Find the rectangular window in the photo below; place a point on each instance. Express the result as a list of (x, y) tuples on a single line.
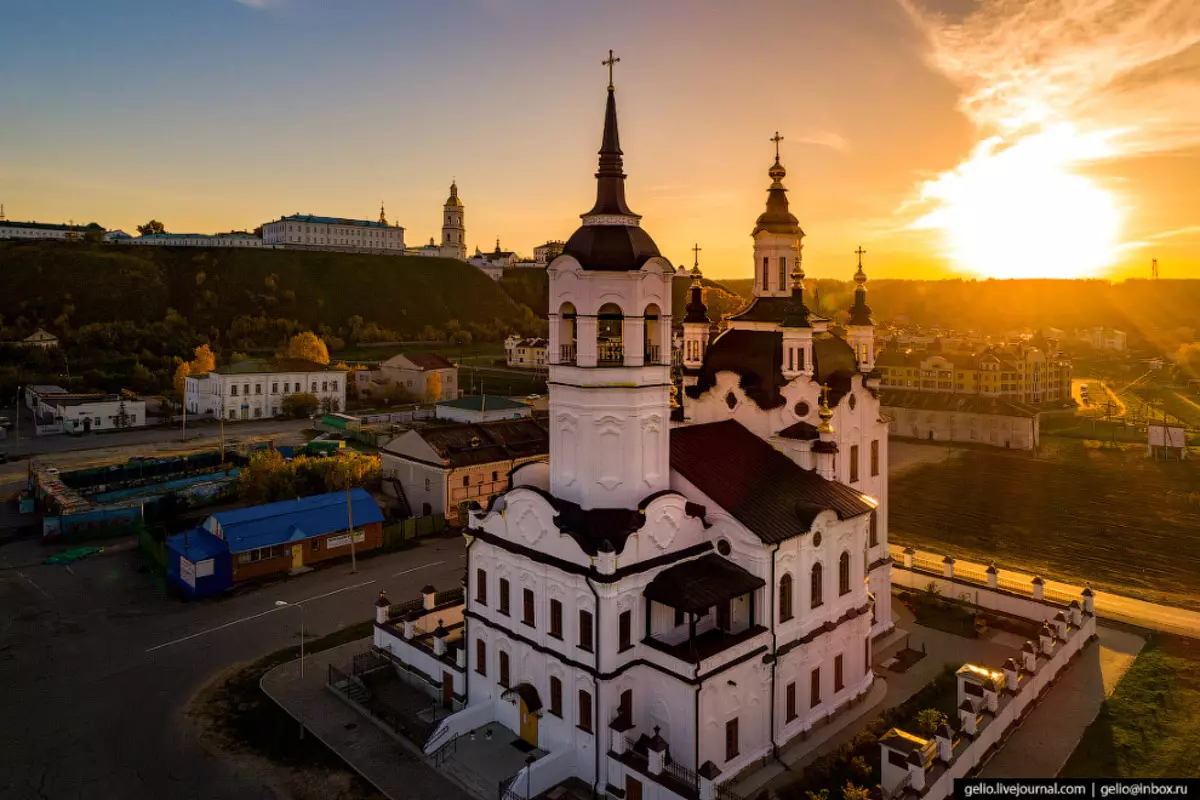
[(504, 676), (233, 391), (481, 657), (766, 273), (731, 739), (285, 387), (874, 530), (333, 385), (556, 619), (791, 701), (585, 631), (481, 587), (875, 457), (504, 596), (838, 682), (814, 692), (783, 272), (585, 711), (274, 388), (324, 386), (867, 654), (495, 476), (625, 626), (555, 696), (527, 596), (258, 388), (854, 463)]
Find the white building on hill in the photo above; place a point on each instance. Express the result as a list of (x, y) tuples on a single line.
[(256, 387), (692, 594), (40, 230), (309, 232), (191, 240)]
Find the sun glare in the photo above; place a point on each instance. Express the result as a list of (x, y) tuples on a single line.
[(1016, 210)]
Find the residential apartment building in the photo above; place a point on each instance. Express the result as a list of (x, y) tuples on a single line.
[(1019, 372), (414, 374), (525, 353)]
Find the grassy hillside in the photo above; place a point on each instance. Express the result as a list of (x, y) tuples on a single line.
[(211, 287)]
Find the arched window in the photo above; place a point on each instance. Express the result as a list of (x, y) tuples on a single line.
[(817, 585), (785, 598), (844, 574), (566, 334), (651, 336), (610, 349)]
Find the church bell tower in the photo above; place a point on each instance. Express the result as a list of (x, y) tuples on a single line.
[(777, 236), (610, 348), (454, 231)]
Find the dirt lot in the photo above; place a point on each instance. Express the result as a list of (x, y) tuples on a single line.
[(1075, 511)]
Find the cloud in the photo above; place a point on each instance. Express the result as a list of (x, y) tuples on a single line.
[(1054, 85), (259, 3), (830, 139)]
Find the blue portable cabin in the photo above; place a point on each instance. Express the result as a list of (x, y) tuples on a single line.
[(199, 563)]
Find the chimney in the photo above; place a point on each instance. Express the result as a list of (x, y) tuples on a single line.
[(381, 609), (427, 595)]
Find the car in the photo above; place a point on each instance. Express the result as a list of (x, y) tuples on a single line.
[(534, 397)]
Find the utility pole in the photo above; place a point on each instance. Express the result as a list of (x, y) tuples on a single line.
[(222, 430), (350, 522), (185, 409), (17, 441)]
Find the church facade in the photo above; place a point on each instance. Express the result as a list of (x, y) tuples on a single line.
[(684, 586)]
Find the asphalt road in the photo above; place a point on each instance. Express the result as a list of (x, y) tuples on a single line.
[(206, 431), (96, 667)]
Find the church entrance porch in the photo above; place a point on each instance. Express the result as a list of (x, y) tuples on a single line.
[(489, 757)]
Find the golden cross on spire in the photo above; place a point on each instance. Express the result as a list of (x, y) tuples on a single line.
[(696, 248), (609, 63), (776, 139), (860, 252), (825, 395)]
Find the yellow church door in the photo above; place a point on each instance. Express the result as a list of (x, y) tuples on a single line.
[(529, 725), (297, 555)]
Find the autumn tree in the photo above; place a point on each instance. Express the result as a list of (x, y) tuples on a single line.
[(852, 792), (181, 374), (153, 226), (203, 360), (930, 720), (433, 387), (308, 347)]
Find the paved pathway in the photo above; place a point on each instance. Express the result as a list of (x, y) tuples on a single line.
[(1044, 742), (1108, 606), (395, 769)]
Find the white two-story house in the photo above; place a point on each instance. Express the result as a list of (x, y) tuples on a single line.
[(256, 388)]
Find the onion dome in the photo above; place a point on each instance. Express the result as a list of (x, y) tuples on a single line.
[(777, 218), (452, 200), (611, 237), (860, 312), (825, 413)]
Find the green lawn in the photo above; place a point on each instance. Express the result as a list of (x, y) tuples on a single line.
[(1150, 727), (1076, 510)]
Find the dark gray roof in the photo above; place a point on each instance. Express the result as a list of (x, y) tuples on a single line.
[(761, 487), (697, 585)]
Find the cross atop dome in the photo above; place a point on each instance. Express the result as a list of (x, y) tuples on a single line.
[(610, 62)]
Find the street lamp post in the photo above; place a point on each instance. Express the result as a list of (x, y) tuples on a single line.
[(281, 603)]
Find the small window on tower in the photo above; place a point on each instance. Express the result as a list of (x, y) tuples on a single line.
[(731, 400), (802, 409)]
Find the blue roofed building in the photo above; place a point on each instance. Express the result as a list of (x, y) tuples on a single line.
[(312, 232), (289, 536)]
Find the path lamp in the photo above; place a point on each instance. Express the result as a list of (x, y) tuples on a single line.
[(280, 604)]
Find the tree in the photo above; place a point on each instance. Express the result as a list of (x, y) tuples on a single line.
[(433, 387), (303, 404), (203, 360), (819, 794), (852, 792), (181, 374), (930, 720), (307, 346), (153, 226), (93, 233)]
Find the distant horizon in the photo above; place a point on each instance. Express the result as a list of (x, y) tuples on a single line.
[(903, 129)]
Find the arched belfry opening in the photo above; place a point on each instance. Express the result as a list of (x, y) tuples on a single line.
[(652, 336), (567, 334), (610, 335)]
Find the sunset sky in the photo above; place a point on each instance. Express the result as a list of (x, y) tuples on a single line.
[(1058, 138)]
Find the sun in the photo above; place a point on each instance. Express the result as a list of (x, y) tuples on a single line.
[(1016, 209)]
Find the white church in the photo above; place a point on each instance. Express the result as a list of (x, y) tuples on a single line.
[(695, 578)]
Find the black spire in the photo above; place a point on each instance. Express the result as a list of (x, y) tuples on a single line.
[(610, 178), (696, 310), (796, 313), (860, 312)]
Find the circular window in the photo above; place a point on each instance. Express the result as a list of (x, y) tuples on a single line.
[(853, 402), (730, 400), (802, 409), (817, 539), (723, 547)]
